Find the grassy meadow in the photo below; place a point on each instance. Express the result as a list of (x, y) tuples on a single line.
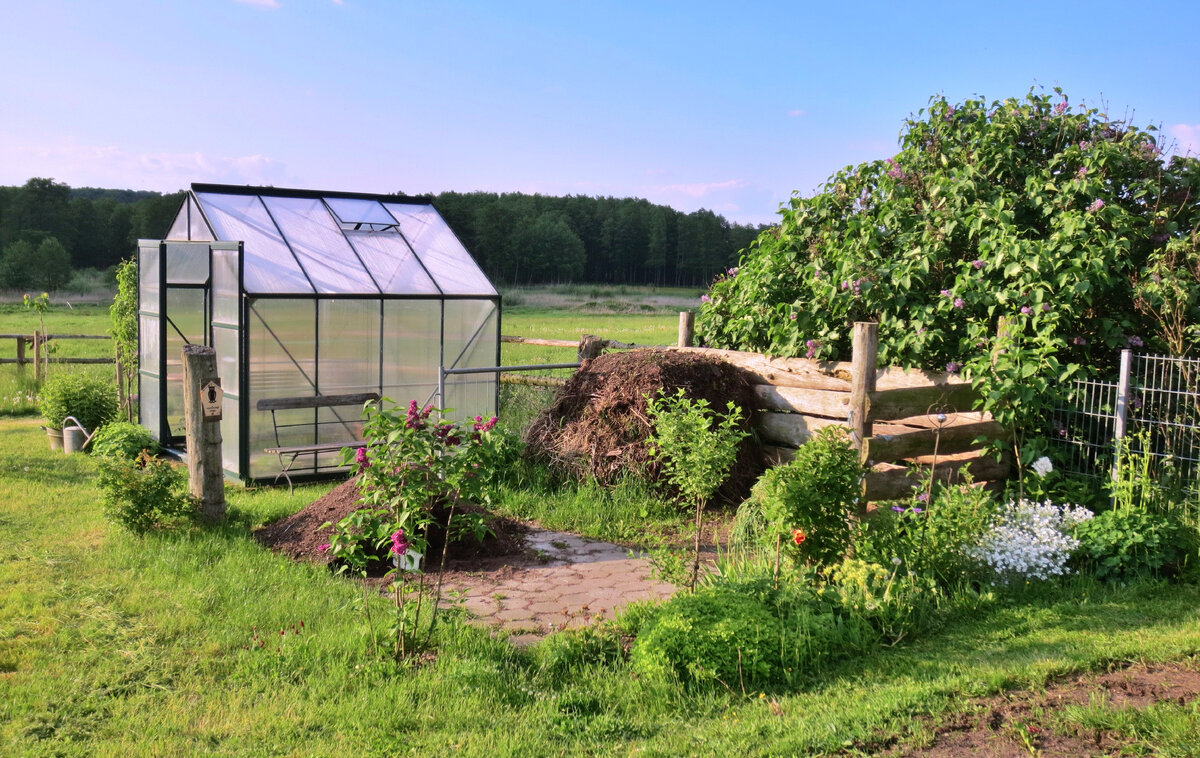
[(116, 644)]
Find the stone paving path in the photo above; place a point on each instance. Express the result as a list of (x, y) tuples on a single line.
[(581, 580)]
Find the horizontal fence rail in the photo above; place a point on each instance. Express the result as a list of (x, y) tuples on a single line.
[(40, 354)]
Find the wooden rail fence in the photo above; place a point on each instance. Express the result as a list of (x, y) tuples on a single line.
[(902, 420), (40, 356)]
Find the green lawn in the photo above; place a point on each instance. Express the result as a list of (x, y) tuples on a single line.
[(112, 644)]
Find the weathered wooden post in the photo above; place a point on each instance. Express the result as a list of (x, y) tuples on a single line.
[(21, 355), (687, 328), (862, 384), (202, 397), (590, 346)]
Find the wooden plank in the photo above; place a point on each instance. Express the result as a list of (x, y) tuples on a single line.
[(797, 400), (791, 429), (924, 421), (781, 372), (536, 381), (314, 401), (911, 401), (889, 482), (886, 448), (543, 343), (78, 360)]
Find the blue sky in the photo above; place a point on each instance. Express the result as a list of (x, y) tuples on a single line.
[(714, 105)]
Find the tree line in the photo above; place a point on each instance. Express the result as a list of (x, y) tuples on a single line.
[(49, 230)]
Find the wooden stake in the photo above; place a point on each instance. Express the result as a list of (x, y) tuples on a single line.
[(862, 384), (687, 328), (590, 347), (205, 476)]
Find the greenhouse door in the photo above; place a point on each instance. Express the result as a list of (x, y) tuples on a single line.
[(226, 331)]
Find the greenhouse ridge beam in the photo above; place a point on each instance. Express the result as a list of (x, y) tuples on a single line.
[(246, 189)]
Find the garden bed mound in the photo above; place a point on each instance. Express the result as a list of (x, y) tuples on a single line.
[(301, 537), (598, 425)]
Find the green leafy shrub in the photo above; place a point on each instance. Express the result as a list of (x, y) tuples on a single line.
[(697, 447), (1122, 544), (360, 542), (809, 502), (91, 401), (882, 604), (143, 493), (121, 439), (713, 634)]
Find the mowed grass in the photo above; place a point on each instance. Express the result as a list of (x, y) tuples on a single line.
[(112, 644)]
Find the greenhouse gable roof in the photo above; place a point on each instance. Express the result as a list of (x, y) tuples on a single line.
[(333, 243)]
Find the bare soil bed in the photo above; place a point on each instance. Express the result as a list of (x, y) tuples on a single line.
[(1018, 723), (301, 537)]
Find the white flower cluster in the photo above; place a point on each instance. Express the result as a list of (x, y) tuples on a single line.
[(1028, 540)]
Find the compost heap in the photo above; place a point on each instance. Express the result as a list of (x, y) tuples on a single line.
[(598, 424)]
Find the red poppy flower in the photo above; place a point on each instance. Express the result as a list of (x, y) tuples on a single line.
[(798, 536)]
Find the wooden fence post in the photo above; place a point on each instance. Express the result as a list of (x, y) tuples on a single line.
[(38, 369), (862, 385), (590, 347), (205, 476), (21, 356), (687, 328)]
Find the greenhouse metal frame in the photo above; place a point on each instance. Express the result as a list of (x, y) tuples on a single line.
[(307, 294)]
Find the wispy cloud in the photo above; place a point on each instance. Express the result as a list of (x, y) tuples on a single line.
[(797, 113), (79, 165), (263, 3), (1187, 137), (701, 189)]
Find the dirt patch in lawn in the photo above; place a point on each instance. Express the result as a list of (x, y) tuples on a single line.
[(1023, 723), (301, 536), (598, 424)]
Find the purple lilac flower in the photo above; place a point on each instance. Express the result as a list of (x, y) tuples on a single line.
[(399, 543), (977, 263), (1045, 307), (952, 367), (733, 271), (1061, 108), (1136, 401), (923, 497), (1096, 205), (898, 508), (704, 298), (1026, 310), (360, 457), (1134, 341), (958, 302), (792, 317), (1086, 144), (1078, 341), (1082, 172), (945, 293), (813, 346)]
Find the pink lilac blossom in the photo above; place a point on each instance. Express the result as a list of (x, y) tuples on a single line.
[(360, 457), (1096, 205), (399, 543), (958, 302), (977, 263), (953, 367), (1026, 310)]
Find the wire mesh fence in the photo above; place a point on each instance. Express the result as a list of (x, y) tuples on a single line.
[(1160, 402)]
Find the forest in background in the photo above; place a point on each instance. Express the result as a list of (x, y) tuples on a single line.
[(49, 231)]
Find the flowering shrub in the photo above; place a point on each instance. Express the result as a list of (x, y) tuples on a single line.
[(1029, 540), (809, 502)]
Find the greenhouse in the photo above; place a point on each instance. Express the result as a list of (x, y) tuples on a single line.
[(313, 302)]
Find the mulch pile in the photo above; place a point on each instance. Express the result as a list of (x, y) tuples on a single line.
[(598, 425), (301, 537)]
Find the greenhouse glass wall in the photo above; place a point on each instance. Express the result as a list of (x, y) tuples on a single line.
[(308, 295)]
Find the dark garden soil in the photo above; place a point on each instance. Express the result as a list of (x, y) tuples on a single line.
[(301, 537), (598, 423), (1023, 722)]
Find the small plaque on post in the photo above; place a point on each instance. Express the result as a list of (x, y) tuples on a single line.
[(211, 396)]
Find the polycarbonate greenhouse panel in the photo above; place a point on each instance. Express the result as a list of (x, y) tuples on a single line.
[(187, 262), (282, 363), (148, 402), (392, 264), (451, 266), (149, 349), (226, 294), (179, 227), (348, 346), (185, 309), (269, 265), (319, 245), (197, 226), (148, 275), (355, 211), (231, 434), (471, 338), (411, 349)]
